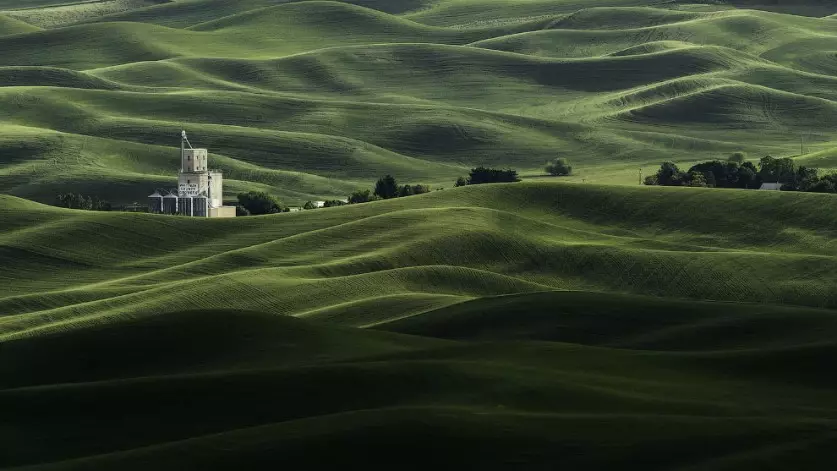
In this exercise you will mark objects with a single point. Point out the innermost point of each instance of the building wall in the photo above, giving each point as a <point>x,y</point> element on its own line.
<point>198,182</point>
<point>222,212</point>
<point>216,192</point>
<point>193,160</point>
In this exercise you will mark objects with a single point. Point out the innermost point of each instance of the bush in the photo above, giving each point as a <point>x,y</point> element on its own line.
<point>669,175</point>
<point>362,196</point>
<point>559,167</point>
<point>408,190</point>
<point>241,211</point>
<point>696,179</point>
<point>481,175</point>
<point>333,203</point>
<point>259,202</point>
<point>309,205</point>
<point>461,181</point>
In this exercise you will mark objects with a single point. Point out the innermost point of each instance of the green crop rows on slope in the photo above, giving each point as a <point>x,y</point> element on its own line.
<point>313,99</point>
<point>527,326</point>
<point>494,333</point>
<point>227,389</point>
<point>493,326</point>
<point>417,253</point>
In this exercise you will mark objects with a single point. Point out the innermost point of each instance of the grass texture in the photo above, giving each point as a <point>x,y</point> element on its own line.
<point>538,325</point>
<point>497,326</point>
<point>310,100</point>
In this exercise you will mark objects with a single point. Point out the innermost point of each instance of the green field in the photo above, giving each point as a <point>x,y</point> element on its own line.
<point>490,327</point>
<point>580,323</point>
<point>311,100</point>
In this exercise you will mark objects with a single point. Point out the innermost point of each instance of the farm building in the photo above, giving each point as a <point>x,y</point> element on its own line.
<point>200,191</point>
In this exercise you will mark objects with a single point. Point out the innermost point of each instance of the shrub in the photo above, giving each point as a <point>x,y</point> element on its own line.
<point>408,190</point>
<point>461,181</point>
<point>259,202</point>
<point>559,167</point>
<point>362,196</point>
<point>481,175</point>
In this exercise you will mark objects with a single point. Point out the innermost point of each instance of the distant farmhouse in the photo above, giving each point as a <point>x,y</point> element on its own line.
<point>200,191</point>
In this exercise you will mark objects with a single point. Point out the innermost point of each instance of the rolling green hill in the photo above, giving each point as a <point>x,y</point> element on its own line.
<point>479,241</point>
<point>579,323</point>
<point>310,100</point>
<point>494,332</point>
<point>494,326</point>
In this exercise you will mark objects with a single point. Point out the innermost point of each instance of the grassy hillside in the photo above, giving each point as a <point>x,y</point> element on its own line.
<point>555,323</point>
<point>717,386</point>
<point>396,258</point>
<point>498,326</point>
<point>310,100</point>
<point>484,324</point>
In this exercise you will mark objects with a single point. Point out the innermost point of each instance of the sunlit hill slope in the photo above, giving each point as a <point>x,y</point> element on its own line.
<point>310,100</point>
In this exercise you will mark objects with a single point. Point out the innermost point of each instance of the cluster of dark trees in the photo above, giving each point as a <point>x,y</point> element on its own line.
<point>737,172</point>
<point>79,201</point>
<point>258,202</point>
<point>387,187</point>
<point>488,175</point>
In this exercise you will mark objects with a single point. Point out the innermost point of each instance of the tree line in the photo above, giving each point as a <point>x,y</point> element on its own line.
<point>386,187</point>
<point>79,201</point>
<point>737,172</point>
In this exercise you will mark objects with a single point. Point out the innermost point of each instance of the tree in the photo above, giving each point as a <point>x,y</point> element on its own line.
<point>309,205</point>
<point>670,175</point>
<point>333,203</point>
<point>696,179</point>
<point>738,158</point>
<point>259,202</point>
<point>386,187</point>
<point>481,175</point>
<point>408,190</point>
<point>405,190</point>
<point>748,176</point>
<point>804,179</point>
<point>101,205</point>
<point>559,167</point>
<point>421,189</point>
<point>241,211</point>
<point>79,201</point>
<point>461,181</point>
<point>826,184</point>
<point>776,170</point>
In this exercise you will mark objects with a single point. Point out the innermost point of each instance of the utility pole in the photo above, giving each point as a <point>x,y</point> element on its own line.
<point>640,175</point>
